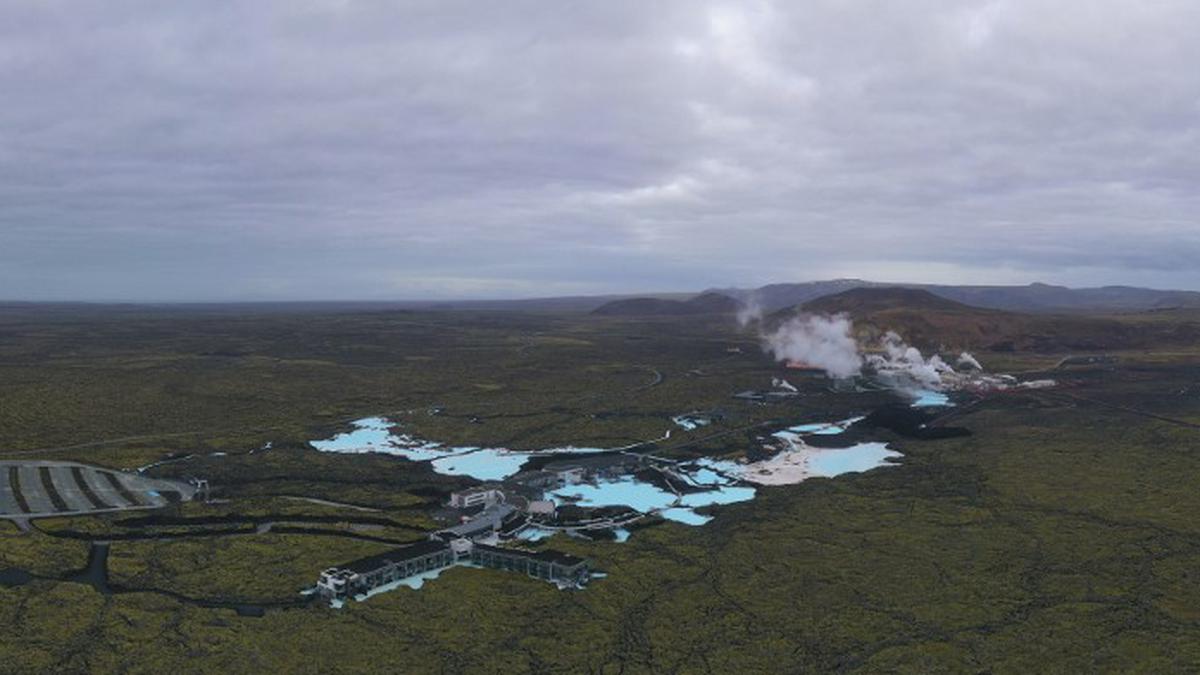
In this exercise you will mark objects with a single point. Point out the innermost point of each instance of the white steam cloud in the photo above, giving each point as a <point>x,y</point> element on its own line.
<point>824,342</point>
<point>966,360</point>
<point>783,384</point>
<point>750,311</point>
<point>827,342</point>
<point>906,366</point>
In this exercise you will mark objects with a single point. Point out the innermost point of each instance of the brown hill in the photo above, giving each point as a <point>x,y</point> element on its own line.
<point>868,300</point>
<point>929,321</point>
<point>1036,297</point>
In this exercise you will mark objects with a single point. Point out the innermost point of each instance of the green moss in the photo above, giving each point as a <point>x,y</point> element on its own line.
<point>261,568</point>
<point>1059,537</point>
<point>38,553</point>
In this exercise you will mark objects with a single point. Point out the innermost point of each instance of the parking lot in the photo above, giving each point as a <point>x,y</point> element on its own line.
<point>36,489</point>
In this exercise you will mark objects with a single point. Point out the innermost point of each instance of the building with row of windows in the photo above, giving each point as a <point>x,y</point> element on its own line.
<point>361,576</point>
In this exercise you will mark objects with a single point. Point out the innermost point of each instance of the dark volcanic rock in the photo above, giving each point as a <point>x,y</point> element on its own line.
<point>910,423</point>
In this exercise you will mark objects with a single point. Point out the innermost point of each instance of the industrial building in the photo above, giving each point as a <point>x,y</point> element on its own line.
<point>765,396</point>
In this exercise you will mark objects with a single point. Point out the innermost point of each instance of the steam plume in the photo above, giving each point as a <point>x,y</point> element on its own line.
<point>750,311</point>
<point>780,383</point>
<point>966,360</point>
<point>905,365</point>
<point>821,341</point>
<point>827,342</point>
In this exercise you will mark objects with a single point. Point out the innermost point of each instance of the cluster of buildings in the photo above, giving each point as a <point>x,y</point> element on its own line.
<point>490,514</point>
<point>774,396</point>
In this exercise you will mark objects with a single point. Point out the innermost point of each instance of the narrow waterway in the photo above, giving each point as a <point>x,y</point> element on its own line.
<point>95,574</point>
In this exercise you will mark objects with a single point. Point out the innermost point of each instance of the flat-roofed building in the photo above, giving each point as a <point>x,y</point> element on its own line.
<point>364,574</point>
<point>483,495</point>
<point>486,523</point>
<point>548,565</point>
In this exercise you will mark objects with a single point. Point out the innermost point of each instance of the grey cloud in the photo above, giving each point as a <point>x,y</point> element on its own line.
<point>286,149</point>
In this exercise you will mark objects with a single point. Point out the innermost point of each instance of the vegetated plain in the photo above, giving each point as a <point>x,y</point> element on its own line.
<point>1059,537</point>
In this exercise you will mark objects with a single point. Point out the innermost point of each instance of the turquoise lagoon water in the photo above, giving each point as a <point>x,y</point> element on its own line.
<point>716,480</point>
<point>373,434</point>
<point>927,398</point>
<point>830,462</point>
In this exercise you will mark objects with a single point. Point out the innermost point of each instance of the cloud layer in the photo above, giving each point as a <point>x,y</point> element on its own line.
<point>288,149</point>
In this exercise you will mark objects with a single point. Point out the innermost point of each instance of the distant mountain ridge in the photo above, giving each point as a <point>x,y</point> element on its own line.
<point>930,321</point>
<point>705,303</point>
<point>1036,297</point>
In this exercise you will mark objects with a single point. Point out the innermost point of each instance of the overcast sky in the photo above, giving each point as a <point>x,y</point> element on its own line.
<point>333,149</point>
